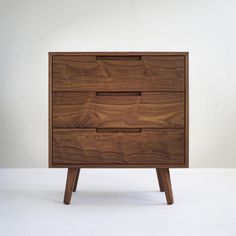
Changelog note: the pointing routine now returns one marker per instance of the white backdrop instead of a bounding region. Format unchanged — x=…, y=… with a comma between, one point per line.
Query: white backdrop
x=29, y=29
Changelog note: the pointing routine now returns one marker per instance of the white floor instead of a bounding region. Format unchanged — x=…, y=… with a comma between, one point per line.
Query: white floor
x=118, y=202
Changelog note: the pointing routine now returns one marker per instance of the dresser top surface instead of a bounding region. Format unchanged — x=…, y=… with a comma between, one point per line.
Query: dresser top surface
x=119, y=53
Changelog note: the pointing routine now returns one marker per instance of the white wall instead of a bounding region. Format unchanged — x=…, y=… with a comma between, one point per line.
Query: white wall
x=29, y=29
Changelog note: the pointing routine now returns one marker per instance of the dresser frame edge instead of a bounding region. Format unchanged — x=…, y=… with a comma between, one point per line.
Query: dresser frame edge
x=186, y=56
x=50, y=133
x=117, y=53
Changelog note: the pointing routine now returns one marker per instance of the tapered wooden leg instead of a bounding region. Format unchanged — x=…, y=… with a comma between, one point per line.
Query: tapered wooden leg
x=165, y=176
x=71, y=176
x=76, y=179
x=160, y=180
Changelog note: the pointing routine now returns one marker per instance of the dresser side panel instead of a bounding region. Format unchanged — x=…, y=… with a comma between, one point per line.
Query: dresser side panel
x=50, y=154
x=187, y=109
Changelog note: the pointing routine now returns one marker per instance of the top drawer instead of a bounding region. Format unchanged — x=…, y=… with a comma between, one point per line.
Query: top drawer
x=118, y=73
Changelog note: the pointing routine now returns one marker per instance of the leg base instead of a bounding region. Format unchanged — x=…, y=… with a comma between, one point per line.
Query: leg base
x=76, y=180
x=70, y=184
x=165, y=179
x=163, y=176
x=160, y=180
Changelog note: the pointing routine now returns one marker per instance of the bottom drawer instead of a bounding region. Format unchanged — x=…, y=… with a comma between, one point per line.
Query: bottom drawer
x=118, y=147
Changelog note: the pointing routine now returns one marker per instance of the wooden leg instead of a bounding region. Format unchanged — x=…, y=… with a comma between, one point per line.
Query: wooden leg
x=76, y=179
x=71, y=176
x=160, y=180
x=165, y=176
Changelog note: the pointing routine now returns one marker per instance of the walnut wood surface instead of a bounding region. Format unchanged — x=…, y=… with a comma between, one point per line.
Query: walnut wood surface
x=86, y=73
x=165, y=178
x=50, y=111
x=76, y=179
x=71, y=176
x=124, y=57
x=118, y=109
x=87, y=110
x=86, y=146
x=159, y=178
x=118, y=53
x=186, y=106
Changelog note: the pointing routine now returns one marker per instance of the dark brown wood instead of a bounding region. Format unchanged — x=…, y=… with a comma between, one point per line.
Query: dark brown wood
x=118, y=93
x=50, y=111
x=120, y=53
x=76, y=179
x=160, y=180
x=184, y=54
x=85, y=73
x=86, y=146
x=129, y=58
x=118, y=130
x=104, y=166
x=186, y=122
x=150, y=110
x=118, y=109
x=165, y=177
x=71, y=176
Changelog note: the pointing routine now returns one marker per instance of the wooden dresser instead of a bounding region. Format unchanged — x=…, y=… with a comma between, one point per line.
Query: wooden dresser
x=118, y=109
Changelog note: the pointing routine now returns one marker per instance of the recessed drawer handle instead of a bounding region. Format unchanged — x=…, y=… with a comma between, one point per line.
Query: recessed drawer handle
x=118, y=93
x=118, y=130
x=121, y=58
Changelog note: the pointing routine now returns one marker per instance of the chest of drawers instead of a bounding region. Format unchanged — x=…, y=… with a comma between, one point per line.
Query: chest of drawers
x=118, y=109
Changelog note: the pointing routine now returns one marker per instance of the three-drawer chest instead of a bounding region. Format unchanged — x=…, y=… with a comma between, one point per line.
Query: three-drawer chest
x=118, y=110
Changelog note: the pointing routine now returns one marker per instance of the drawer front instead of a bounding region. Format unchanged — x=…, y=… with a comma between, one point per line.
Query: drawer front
x=118, y=73
x=118, y=109
x=118, y=147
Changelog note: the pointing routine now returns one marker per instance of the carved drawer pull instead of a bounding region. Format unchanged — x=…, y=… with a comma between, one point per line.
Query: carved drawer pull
x=120, y=58
x=118, y=130
x=118, y=93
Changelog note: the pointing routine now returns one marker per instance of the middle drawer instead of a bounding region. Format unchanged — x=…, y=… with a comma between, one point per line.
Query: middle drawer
x=118, y=109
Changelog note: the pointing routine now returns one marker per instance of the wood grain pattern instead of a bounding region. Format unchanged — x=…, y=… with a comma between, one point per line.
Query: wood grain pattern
x=118, y=109
x=53, y=55
x=85, y=73
x=86, y=110
x=85, y=146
